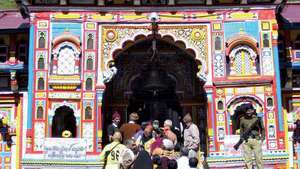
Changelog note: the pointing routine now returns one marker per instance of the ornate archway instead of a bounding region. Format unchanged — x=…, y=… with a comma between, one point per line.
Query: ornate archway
x=63, y=119
x=117, y=38
x=186, y=94
x=233, y=107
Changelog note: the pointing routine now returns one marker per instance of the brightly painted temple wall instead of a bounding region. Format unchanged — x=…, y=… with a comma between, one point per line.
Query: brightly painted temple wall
x=70, y=61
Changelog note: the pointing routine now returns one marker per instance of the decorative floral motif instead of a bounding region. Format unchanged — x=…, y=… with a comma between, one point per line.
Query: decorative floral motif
x=219, y=66
x=87, y=133
x=39, y=136
x=111, y=35
x=267, y=62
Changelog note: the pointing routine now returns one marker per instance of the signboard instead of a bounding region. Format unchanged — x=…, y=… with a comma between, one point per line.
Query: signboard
x=65, y=149
x=64, y=95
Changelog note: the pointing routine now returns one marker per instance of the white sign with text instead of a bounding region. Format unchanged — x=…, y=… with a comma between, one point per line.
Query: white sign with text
x=65, y=149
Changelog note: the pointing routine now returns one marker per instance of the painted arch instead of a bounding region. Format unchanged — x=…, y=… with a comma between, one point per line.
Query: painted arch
x=193, y=38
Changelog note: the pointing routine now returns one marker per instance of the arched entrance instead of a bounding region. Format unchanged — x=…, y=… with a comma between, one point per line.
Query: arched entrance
x=63, y=119
x=168, y=88
x=236, y=110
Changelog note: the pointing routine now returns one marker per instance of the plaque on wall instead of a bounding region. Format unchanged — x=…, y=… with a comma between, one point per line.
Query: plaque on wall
x=65, y=149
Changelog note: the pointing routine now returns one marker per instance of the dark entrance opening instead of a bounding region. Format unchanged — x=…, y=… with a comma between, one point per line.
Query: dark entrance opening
x=63, y=119
x=237, y=106
x=154, y=96
x=167, y=89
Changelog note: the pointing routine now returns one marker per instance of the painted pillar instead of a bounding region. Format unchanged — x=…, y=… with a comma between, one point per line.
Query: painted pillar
x=210, y=122
x=277, y=75
x=99, y=119
x=30, y=76
x=30, y=89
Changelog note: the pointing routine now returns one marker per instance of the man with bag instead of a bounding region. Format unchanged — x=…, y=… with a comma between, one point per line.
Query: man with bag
x=110, y=155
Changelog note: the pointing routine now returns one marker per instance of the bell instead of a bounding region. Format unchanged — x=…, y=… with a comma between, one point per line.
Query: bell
x=154, y=80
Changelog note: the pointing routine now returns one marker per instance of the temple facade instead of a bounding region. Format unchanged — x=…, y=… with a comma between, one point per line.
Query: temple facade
x=13, y=83
x=90, y=58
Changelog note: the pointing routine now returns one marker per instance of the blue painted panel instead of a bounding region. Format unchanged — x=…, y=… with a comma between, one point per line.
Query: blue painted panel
x=4, y=66
x=278, y=87
x=59, y=28
x=30, y=76
x=297, y=54
x=296, y=65
x=249, y=27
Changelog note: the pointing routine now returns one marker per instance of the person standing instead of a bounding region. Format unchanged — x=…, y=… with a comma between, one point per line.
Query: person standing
x=256, y=137
x=183, y=160
x=110, y=154
x=191, y=136
x=114, y=126
x=168, y=133
x=129, y=129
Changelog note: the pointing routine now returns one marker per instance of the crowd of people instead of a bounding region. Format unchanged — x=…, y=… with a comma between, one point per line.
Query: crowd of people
x=151, y=146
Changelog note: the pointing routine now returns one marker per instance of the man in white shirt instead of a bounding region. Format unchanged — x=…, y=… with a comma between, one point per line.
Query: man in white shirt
x=183, y=161
x=191, y=136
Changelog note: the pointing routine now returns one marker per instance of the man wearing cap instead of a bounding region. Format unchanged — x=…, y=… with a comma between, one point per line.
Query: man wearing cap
x=191, y=136
x=129, y=129
x=257, y=135
x=112, y=128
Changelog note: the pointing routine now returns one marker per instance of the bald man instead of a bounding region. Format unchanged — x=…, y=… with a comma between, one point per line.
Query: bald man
x=110, y=155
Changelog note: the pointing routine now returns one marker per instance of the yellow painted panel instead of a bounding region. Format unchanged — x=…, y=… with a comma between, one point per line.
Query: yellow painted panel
x=172, y=17
x=99, y=133
x=296, y=104
x=103, y=17
x=67, y=16
x=90, y=26
x=40, y=95
x=242, y=15
x=210, y=132
x=217, y=26
x=133, y=17
x=207, y=16
x=7, y=159
x=7, y=101
x=265, y=26
x=42, y=24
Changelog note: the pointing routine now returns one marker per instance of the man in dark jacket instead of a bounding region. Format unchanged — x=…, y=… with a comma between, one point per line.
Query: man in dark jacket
x=114, y=126
x=256, y=137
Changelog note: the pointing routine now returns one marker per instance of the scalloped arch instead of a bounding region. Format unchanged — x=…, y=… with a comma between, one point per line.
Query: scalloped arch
x=178, y=42
x=241, y=39
x=234, y=102
x=66, y=37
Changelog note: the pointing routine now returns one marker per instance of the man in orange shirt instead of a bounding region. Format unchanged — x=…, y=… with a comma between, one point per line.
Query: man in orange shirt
x=129, y=129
